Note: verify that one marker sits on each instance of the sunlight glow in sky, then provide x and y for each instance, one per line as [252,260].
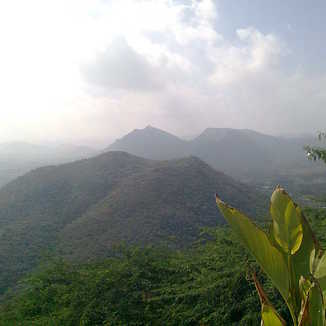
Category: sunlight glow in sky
[94,69]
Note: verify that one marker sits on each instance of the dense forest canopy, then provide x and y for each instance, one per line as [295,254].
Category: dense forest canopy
[205,285]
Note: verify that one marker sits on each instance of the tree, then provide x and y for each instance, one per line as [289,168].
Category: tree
[317,153]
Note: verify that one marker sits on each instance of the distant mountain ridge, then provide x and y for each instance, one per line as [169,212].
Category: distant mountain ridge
[241,153]
[152,143]
[81,209]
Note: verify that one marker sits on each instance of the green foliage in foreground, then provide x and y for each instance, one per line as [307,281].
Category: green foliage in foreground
[290,255]
[205,286]
[317,153]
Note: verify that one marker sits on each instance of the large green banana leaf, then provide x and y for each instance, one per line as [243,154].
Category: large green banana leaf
[301,241]
[257,242]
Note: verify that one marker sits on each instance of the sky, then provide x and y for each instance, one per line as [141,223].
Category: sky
[92,70]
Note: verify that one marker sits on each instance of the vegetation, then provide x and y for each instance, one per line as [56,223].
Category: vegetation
[169,203]
[37,206]
[290,255]
[317,153]
[83,209]
[206,285]
[209,284]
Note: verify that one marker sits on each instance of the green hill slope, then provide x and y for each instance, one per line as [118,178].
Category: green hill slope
[171,199]
[35,207]
[85,207]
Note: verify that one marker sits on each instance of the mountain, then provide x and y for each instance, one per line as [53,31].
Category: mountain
[170,199]
[241,153]
[234,151]
[248,153]
[17,158]
[151,143]
[82,209]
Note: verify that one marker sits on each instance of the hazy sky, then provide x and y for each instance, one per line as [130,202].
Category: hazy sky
[75,70]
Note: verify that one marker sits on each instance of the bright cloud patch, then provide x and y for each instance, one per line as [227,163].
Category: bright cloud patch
[92,68]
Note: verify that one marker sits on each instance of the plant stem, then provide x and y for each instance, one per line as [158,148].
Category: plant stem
[291,288]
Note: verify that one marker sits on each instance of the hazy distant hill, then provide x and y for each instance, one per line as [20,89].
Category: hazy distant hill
[240,153]
[151,143]
[233,151]
[249,153]
[17,158]
[85,207]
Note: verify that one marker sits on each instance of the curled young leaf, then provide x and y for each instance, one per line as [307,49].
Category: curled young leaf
[287,227]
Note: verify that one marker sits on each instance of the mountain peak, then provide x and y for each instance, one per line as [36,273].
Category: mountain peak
[152,129]
[219,133]
[145,131]
[151,142]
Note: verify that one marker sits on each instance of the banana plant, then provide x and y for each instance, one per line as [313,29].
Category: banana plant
[291,257]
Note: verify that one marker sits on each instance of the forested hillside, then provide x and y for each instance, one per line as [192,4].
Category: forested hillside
[82,209]
[208,284]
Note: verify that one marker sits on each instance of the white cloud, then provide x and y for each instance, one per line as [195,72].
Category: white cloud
[122,67]
[256,53]
[94,68]
[262,49]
